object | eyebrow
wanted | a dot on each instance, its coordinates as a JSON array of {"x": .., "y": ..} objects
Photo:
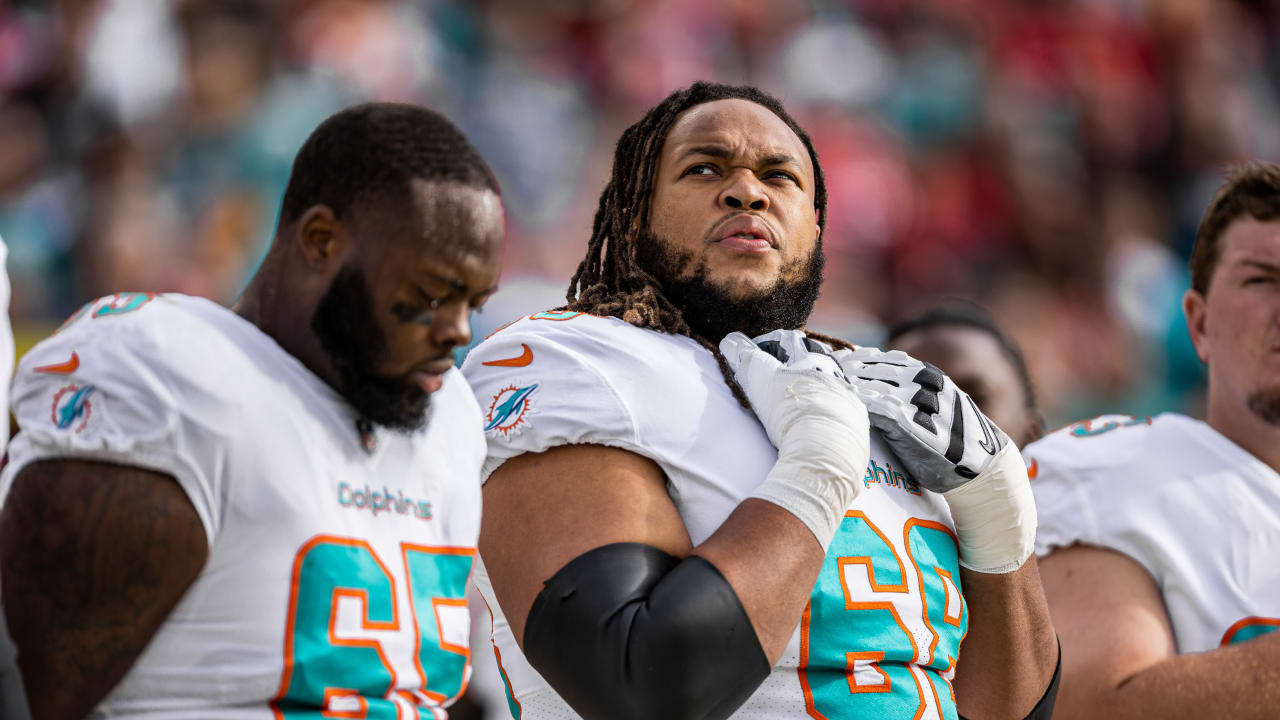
[
  {"x": 1260, "y": 265},
  {"x": 452, "y": 282},
  {"x": 719, "y": 151}
]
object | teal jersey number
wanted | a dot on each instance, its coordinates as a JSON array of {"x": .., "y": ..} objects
[
  {"x": 856, "y": 651},
  {"x": 323, "y": 672}
]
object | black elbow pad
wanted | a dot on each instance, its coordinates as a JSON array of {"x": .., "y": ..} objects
[{"x": 628, "y": 631}]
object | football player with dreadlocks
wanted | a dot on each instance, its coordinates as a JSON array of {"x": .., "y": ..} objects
[{"x": 681, "y": 522}]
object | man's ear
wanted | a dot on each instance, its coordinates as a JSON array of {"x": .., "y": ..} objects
[
  {"x": 1195, "y": 307},
  {"x": 320, "y": 238},
  {"x": 1035, "y": 429}
]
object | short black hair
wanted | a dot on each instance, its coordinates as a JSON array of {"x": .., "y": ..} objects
[
  {"x": 609, "y": 280},
  {"x": 967, "y": 314},
  {"x": 374, "y": 150}
]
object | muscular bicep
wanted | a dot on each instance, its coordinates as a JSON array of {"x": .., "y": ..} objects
[
  {"x": 542, "y": 510},
  {"x": 94, "y": 556},
  {"x": 1112, "y": 624}
]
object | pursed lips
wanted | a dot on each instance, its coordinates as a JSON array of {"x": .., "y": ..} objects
[{"x": 744, "y": 225}]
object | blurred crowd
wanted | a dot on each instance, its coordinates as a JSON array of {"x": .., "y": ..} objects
[{"x": 1049, "y": 159}]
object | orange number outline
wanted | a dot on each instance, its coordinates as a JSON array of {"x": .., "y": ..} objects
[{"x": 464, "y": 651}]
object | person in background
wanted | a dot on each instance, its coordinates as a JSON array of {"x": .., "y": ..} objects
[
  {"x": 965, "y": 342},
  {"x": 1159, "y": 535}
]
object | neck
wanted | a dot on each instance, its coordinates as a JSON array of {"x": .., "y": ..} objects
[
  {"x": 287, "y": 320},
  {"x": 1240, "y": 425}
]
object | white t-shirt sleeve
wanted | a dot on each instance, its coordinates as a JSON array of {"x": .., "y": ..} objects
[
  {"x": 124, "y": 390},
  {"x": 537, "y": 391}
]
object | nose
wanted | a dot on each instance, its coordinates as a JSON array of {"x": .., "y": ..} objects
[
  {"x": 452, "y": 326},
  {"x": 744, "y": 191}
]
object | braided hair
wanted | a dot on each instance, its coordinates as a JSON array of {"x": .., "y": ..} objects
[{"x": 609, "y": 280}]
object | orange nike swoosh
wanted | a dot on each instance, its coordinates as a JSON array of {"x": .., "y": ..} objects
[
  {"x": 65, "y": 368},
  {"x": 1033, "y": 470},
  {"x": 520, "y": 360}
]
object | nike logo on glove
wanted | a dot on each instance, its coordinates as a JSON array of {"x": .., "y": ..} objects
[
  {"x": 520, "y": 360},
  {"x": 63, "y": 368}
]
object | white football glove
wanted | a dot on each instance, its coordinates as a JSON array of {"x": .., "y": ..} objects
[
  {"x": 812, "y": 415},
  {"x": 951, "y": 448}
]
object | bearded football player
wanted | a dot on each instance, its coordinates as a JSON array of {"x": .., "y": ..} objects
[
  {"x": 684, "y": 522},
  {"x": 271, "y": 510}
]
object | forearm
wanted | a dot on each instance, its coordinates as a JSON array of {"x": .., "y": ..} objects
[
  {"x": 1010, "y": 652},
  {"x": 772, "y": 560},
  {"x": 1240, "y": 682}
]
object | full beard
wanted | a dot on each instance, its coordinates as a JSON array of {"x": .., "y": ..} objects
[
  {"x": 349, "y": 333},
  {"x": 1265, "y": 404},
  {"x": 712, "y": 311}
]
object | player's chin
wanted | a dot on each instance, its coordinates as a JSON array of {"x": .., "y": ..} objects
[
  {"x": 740, "y": 285},
  {"x": 398, "y": 405},
  {"x": 410, "y": 413}
]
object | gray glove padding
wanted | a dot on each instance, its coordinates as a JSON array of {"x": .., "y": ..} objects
[{"x": 932, "y": 425}]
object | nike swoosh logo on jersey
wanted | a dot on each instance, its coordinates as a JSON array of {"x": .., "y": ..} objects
[
  {"x": 63, "y": 368},
  {"x": 520, "y": 360},
  {"x": 1033, "y": 470}
]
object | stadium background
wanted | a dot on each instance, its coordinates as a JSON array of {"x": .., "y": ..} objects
[{"x": 1047, "y": 158}]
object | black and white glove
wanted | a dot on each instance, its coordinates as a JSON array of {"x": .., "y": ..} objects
[
  {"x": 951, "y": 448},
  {"x": 813, "y": 416}
]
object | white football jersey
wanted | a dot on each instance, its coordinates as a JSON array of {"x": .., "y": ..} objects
[
  {"x": 881, "y": 633},
  {"x": 1196, "y": 510},
  {"x": 337, "y": 570}
]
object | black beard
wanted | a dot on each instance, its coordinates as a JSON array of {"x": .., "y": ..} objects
[
  {"x": 349, "y": 333},
  {"x": 1265, "y": 404},
  {"x": 711, "y": 312}
]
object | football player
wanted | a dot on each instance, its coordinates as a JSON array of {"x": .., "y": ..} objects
[
  {"x": 270, "y": 510},
  {"x": 964, "y": 341},
  {"x": 682, "y": 522},
  {"x": 1160, "y": 534}
]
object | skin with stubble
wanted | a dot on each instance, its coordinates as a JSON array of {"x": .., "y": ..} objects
[{"x": 1236, "y": 330}]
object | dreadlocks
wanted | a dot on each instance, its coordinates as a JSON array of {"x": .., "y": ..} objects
[{"x": 609, "y": 280}]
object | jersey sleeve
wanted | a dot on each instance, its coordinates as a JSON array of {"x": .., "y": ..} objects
[
  {"x": 1075, "y": 468},
  {"x": 121, "y": 390},
  {"x": 539, "y": 390}
]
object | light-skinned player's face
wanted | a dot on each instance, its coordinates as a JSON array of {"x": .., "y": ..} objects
[
  {"x": 1236, "y": 327},
  {"x": 979, "y": 366},
  {"x": 734, "y": 190},
  {"x": 395, "y": 313}
]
